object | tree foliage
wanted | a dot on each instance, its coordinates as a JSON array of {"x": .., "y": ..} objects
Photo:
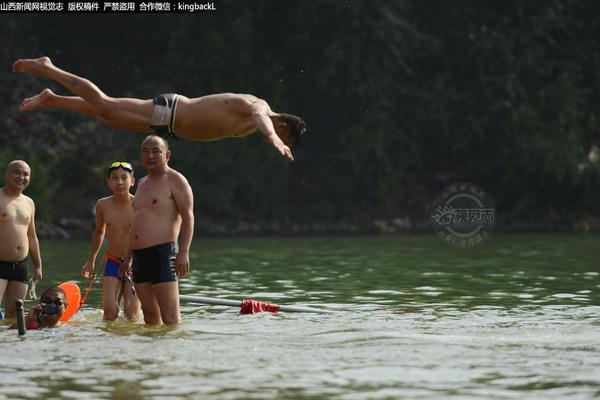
[{"x": 401, "y": 98}]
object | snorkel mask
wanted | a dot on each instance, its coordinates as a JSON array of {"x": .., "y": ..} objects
[{"x": 51, "y": 307}]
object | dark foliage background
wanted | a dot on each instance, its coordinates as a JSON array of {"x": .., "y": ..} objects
[{"x": 401, "y": 98}]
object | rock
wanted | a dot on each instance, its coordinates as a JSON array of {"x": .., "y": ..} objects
[{"x": 47, "y": 230}]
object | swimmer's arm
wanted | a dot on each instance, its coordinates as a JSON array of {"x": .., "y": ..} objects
[
  {"x": 34, "y": 248},
  {"x": 260, "y": 115},
  {"x": 32, "y": 315},
  {"x": 184, "y": 201},
  {"x": 98, "y": 235},
  {"x": 31, "y": 318}
]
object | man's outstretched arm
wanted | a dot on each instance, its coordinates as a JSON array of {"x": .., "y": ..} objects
[
  {"x": 34, "y": 248},
  {"x": 96, "y": 242},
  {"x": 184, "y": 201},
  {"x": 265, "y": 125}
]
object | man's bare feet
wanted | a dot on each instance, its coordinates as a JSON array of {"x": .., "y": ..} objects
[
  {"x": 32, "y": 66},
  {"x": 39, "y": 101}
]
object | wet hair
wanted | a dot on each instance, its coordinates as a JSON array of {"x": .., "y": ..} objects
[
  {"x": 295, "y": 126},
  {"x": 54, "y": 289}
]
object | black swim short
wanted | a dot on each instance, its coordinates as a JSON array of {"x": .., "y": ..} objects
[
  {"x": 154, "y": 264},
  {"x": 163, "y": 115},
  {"x": 14, "y": 271}
]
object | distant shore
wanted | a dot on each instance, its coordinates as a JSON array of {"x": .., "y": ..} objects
[{"x": 67, "y": 228}]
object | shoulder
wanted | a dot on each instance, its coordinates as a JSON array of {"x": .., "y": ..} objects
[
  {"x": 176, "y": 178},
  {"x": 258, "y": 105},
  {"x": 28, "y": 200},
  {"x": 249, "y": 97},
  {"x": 103, "y": 201},
  {"x": 174, "y": 175}
]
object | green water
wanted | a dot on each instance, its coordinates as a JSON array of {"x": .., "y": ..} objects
[{"x": 517, "y": 317}]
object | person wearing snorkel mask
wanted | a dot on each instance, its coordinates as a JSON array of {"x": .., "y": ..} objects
[{"x": 48, "y": 311}]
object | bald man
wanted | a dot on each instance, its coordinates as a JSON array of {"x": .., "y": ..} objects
[
  {"x": 205, "y": 118},
  {"x": 18, "y": 238},
  {"x": 161, "y": 235}
]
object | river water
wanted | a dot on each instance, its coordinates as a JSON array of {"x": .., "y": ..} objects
[{"x": 518, "y": 317}]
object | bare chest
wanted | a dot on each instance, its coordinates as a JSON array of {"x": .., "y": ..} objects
[
  {"x": 153, "y": 195},
  {"x": 119, "y": 218},
  {"x": 17, "y": 212}
]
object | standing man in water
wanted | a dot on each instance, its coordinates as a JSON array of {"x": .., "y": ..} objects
[
  {"x": 205, "y": 118},
  {"x": 18, "y": 238},
  {"x": 164, "y": 212}
]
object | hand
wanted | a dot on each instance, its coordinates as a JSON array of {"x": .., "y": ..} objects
[
  {"x": 280, "y": 146},
  {"x": 37, "y": 275},
  {"x": 125, "y": 268},
  {"x": 288, "y": 153},
  {"x": 87, "y": 269},
  {"x": 34, "y": 311},
  {"x": 182, "y": 263}
]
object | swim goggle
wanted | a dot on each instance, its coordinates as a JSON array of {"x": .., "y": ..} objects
[
  {"x": 57, "y": 302},
  {"x": 121, "y": 164}
]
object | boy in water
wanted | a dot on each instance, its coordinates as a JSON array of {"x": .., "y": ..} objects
[{"x": 114, "y": 215}]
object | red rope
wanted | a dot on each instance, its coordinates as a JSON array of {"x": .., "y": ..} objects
[{"x": 87, "y": 292}]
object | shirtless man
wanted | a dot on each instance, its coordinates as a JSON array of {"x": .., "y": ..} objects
[
  {"x": 204, "y": 118},
  {"x": 18, "y": 238},
  {"x": 163, "y": 207},
  {"x": 114, "y": 216}
]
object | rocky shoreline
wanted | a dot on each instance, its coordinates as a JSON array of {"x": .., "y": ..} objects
[{"x": 74, "y": 228}]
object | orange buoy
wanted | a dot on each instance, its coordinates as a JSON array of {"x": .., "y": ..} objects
[{"x": 73, "y": 295}]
